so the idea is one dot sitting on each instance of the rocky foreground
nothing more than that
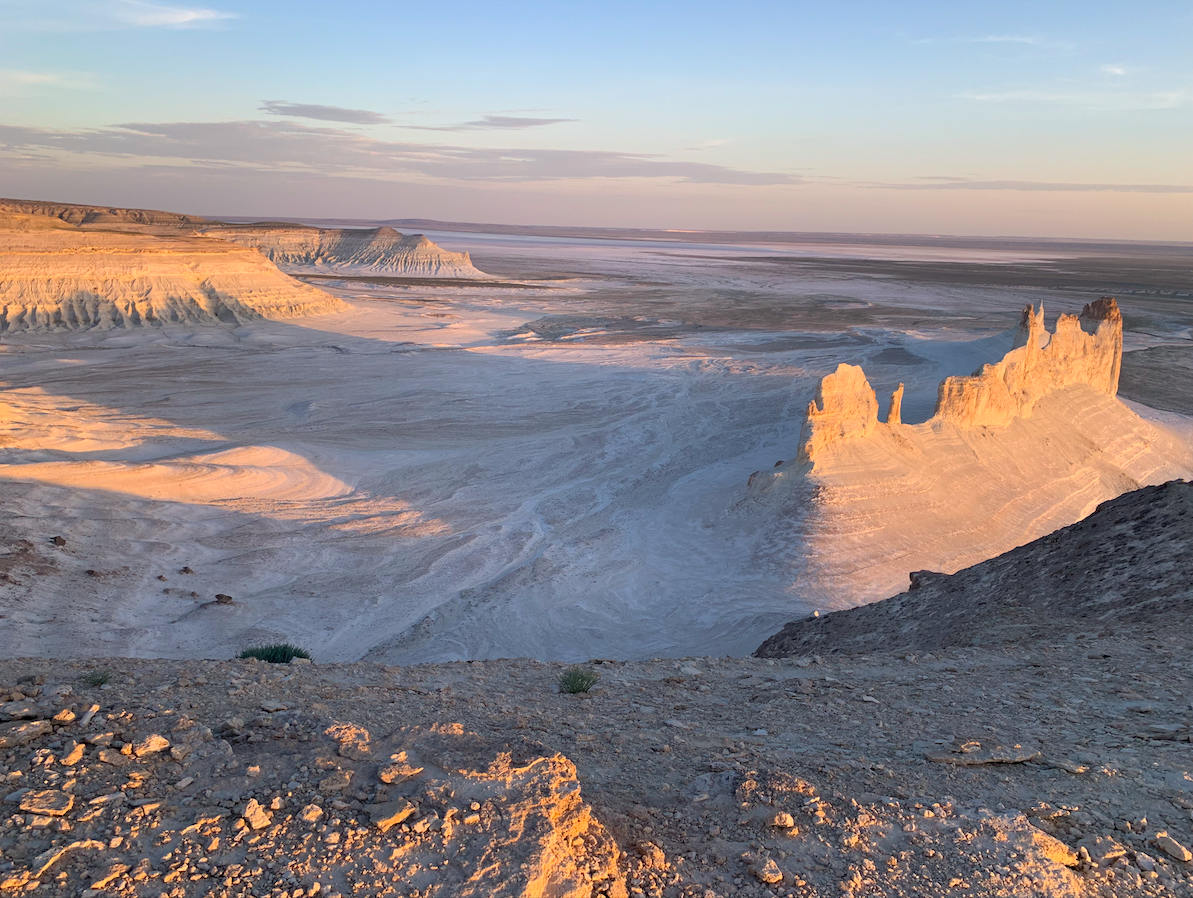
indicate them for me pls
(1058, 767)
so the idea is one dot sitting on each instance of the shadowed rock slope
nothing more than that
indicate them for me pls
(1130, 561)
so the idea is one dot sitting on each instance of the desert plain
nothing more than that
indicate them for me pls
(551, 461)
(589, 446)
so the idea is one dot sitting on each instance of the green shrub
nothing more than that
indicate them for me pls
(278, 653)
(96, 678)
(578, 679)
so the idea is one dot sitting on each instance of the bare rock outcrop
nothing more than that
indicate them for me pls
(62, 277)
(1085, 349)
(85, 216)
(372, 250)
(1028, 444)
(1131, 561)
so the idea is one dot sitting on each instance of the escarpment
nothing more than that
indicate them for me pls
(61, 277)
(1025, 445)
(372, 250)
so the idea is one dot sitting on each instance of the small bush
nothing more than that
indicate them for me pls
(278, 653)
(577, 679)
(96, 678)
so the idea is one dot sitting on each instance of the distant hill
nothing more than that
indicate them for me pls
(380, 250)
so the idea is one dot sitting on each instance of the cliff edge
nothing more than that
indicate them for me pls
(1026, 445)
(1085, 349)
(1129, 561)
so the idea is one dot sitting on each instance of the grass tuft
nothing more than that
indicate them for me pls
(278, 653)
(578, 679)
(96, 678)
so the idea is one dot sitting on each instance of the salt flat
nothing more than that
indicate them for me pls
(552, 466)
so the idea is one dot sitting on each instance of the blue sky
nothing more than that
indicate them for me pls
(1050, 119)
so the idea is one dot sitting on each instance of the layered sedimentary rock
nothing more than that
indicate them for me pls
(372, 250)
(53, 275)
(1026, 445)
(1085, 349)
(102, 216)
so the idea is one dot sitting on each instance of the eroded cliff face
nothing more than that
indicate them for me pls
(375, 250)
(1085, 349)
(62, 277)
(1026, 445)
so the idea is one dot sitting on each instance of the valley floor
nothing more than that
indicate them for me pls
(554, 466)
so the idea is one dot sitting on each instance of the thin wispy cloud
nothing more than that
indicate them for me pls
(1027, 40)
(1114, 69)
(323, 113)
(1117, 100)
(297, 148)
(495, 123)
(946, 182)
(16, 82)
(709, 144)
(107, 15)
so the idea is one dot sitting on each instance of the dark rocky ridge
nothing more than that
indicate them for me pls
(1131, 561)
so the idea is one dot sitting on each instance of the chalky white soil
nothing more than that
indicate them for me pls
(555, 467)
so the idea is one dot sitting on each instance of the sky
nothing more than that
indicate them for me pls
(1053, 119)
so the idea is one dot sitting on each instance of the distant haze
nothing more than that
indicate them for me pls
(1015, 118)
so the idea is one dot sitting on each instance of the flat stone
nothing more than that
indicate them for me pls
(391, 813)
(13, 735)
(48, 802)
(311, 813)
(113, 757)
(767, 872)
(336, 782)
(398, 769)
(19, 710)
(974, 754)
(110, 875)
(1103, 850)
(1172, 847)
(151, 744)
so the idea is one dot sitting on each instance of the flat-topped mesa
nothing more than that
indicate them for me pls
(376, 250)
(1085, 349)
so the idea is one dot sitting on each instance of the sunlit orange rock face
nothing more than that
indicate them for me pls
(1026, 445)
(1086, 349)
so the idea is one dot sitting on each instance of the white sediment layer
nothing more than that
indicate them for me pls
(55, 276)
(443, 471)
(380, 251)
(1027, 445)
